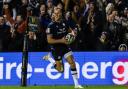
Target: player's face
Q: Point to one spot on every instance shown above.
(58, 14)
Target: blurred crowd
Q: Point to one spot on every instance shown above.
(103, 24)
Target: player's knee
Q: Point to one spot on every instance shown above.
(60, 69)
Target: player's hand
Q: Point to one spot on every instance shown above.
(64, 41)
(74, 33)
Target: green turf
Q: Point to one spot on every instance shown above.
(63, 87)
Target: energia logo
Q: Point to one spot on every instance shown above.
(89, 70)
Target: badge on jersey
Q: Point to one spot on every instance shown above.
(48, 31)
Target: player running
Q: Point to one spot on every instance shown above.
(56, 32)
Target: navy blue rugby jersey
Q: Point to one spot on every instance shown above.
(58, 29)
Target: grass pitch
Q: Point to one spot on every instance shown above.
(63, 87)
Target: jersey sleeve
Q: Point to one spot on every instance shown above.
(49, 30)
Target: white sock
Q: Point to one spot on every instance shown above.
(51, 60)
(75, 76)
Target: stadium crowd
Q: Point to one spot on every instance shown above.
(103, 24)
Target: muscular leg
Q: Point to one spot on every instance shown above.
(71, 62)
(56, 63)
(59, 66)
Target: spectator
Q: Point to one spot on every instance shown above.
(4, 35)
(23, 8)
(34, 4)
(50, 7)
(94, 27)
(76, 15)
(124, 23)
(93, 17)
(120, 5)
(102, 43)
(13, 4)
(44, 21)
(61, 6)
(114, 31)
(19, 26)
(109, 9)
(44, 16)
(1, 7)
(32, 42)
